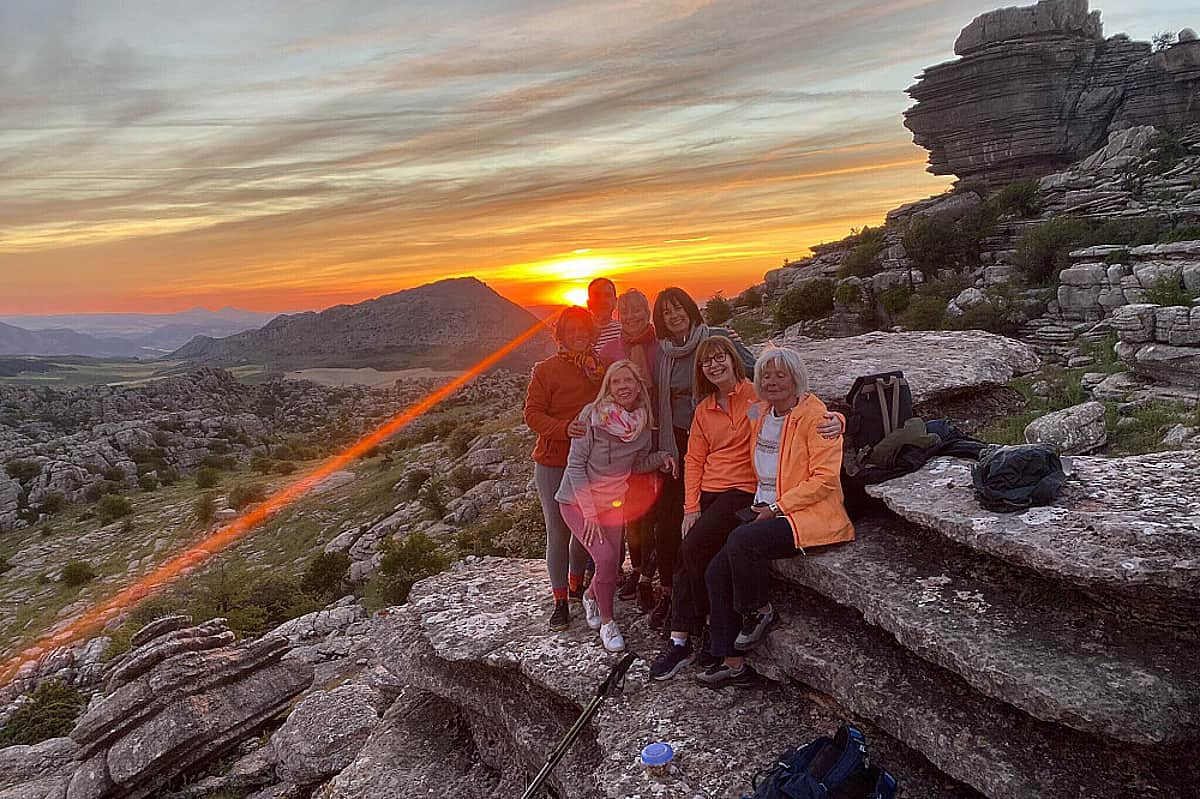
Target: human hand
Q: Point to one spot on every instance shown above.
(576, 429)
(831, 427)
(670, 466)
(764, 512)
(688, 520)
(592, 532)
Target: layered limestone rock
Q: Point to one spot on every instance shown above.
(1072, 431)
(38, 771)
(1130, 525)
(1038, 87)
(1160, 343)
(171, 708)
(324, 733)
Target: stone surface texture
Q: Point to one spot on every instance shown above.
(324, 733)
(1072, 431)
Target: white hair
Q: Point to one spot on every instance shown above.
(787, 359)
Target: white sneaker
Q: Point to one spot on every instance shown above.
(610, 636)
(591, 611)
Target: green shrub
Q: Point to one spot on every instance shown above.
(279, 598)
(848, 293)
(114, 474)
(924, 312)
(433, 499)
(1043, 251)
(148, 483)
(204, 509)
(863, 259)
(460, 439)
(54, 502)
(932, 244)
(207, 477)
(168, 476)
(50, 713)
(464, 477)
(161, 439)
(895, 300)
(77, 573)
(325, 575)
(261, 464)
(1117, 257)
(112, 507)
(100, 488)
(809, 301)
(218, 462)
(519, 533)
(1180, 233)
(718, 310)
(22, 471)
(1168, 290)
(406, 562)
(285, 467)
(752, 326)
(1166, 151)
(246, 494)
(1019, 198)
(412, 483)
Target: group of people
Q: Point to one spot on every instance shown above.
(662, 434)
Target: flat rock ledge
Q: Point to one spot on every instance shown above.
(939, 365)
(1125, 524)
(475, 637)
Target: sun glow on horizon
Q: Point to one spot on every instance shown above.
(575, 295)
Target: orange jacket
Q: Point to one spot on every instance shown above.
(809, 480)
(558, 390)
(720, 446)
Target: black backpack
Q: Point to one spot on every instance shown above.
(879, 405)
(1017, 477)
(827, 768)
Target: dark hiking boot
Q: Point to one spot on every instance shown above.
(629, 588)
(646, 598)
(660, 617)
(576, 594)
(720, 676)
(560, 619)
(671, 660)
(754, 628)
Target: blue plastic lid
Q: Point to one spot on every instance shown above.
(657, 754)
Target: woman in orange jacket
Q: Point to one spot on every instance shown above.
(797, 503)
(558, 389)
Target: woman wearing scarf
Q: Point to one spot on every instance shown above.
(680, 329)
(559, 387)
(617, 441)
(638, 344)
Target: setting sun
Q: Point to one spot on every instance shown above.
(576, 295)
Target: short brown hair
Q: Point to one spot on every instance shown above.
(703, 387)
(574, 312)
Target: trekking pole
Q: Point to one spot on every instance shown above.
(612, 685)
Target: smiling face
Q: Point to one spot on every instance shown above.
(625, 388)
(602, 300)
(676, 319)
(576, 336)
(777, 383)
(717, 367)
(634, 319)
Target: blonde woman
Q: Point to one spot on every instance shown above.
(592, 494)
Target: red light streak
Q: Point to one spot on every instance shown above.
(198, 553)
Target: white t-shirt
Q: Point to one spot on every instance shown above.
(766, 457)
(609, 331)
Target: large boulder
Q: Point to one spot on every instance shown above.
(324, 733)
(1072, 431)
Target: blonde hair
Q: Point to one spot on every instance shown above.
(630, 298)
(643, 390)
(787, 359)
(703, 387)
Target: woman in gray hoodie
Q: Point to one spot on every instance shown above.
(592, 493)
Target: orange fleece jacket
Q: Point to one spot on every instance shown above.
(558, 390)
(720, 446)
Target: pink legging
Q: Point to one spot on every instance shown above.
(606, 553)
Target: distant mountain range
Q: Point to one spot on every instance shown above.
(449, 324)
(119, 335)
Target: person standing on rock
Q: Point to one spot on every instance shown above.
(719, 483)
(559, 388)
(680, 329)
(637, 343)
(797, 504)
(616, 443)
(602, 301)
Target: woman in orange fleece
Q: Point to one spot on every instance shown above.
(797, 502)
(719, 482)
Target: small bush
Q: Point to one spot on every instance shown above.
(22, 471)
(895, 300)
(54, 502)
(1166, 151)
(325, 575)
(718, 310)
(1180, 233)
(863, 259)
(114, 474)
(168, 476)
(285, 467)
(161, 439)
(464, 477)
(207, 477)
(460, 439)
(519, 533)
(218, 462)
(112, 507)
(1117, 257)
(148, 483)
(77, 573)
(924, 312)
(809, 301)
(1168, 290)
(406, 562)
(246, 494)
(261, 464)
(101, 488)
(51, 713)
(413, 482)
(204, 509)
(932, 244)
(1043, 251)
(1019, 198)
(433, 499)
(274, 598)
(848, 294)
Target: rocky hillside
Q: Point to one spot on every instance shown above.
(60, 341)
(447, 324)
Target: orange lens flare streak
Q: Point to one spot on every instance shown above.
(225, 536)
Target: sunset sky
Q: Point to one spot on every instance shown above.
(161, 154)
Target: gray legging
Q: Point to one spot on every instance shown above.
(562, 548)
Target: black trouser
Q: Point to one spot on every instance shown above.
(641, 502)
(738, 576)
(718, 517)
(669, 516)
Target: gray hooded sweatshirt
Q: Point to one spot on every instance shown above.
(598, 467)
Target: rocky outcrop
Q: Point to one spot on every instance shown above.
(1038, 87)
(1160, 343)
(182, 710)
(324, 733)
(1071, 431)
(37, 771)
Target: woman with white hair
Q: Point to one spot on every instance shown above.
(591, 497)
(797, 501)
